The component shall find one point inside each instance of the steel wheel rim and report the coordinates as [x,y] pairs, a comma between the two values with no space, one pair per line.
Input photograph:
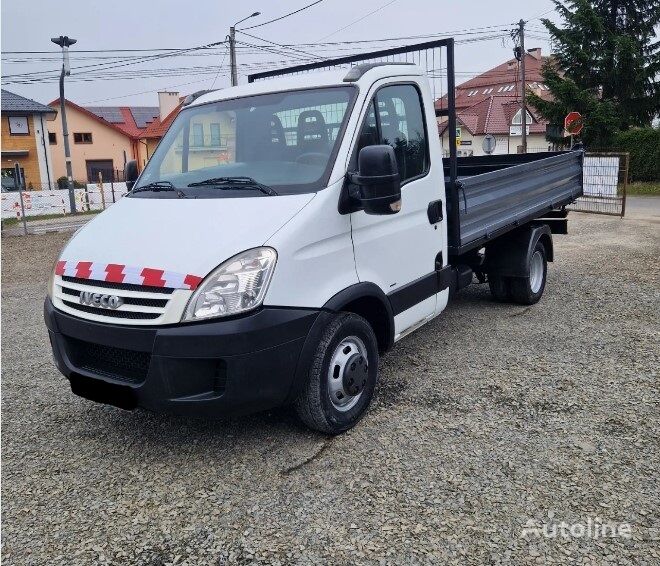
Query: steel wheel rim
[345,351]
[536,272]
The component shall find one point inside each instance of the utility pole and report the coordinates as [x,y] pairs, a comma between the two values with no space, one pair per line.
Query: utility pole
[232,48]
[232,55]
[523,85]
[64,42]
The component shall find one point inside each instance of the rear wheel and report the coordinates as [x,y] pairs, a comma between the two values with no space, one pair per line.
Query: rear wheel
[342,376]
[528,290]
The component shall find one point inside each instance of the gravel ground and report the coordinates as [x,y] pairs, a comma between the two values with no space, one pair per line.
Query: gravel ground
[490,416]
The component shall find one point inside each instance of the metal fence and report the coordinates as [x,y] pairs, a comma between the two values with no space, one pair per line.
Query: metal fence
[49,210]
[605,184]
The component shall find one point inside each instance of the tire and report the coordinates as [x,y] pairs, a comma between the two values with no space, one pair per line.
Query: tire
[528,290]
[500,288]
[333,399]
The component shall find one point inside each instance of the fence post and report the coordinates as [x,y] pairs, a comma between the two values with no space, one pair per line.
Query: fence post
[100,186]
[625,185]
[112,190]
[20,196]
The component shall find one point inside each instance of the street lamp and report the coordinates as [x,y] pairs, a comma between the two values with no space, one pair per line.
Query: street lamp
[65,42]
[232,48]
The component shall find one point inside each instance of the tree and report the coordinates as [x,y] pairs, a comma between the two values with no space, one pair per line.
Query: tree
[605,65]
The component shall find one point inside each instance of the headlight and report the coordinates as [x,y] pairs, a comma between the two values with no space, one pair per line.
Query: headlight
[236,286]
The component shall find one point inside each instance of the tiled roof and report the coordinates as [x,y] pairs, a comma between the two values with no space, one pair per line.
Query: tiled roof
[129,120]
[493,115]
[501,80]
[15,103]
[157,129]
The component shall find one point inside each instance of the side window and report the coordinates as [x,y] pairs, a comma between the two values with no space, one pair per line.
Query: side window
[395,117]
[402,127]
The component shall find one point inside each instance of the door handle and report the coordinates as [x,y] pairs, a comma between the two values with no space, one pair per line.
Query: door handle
[435,211]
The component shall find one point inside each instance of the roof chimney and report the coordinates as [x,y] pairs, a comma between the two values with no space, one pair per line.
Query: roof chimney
[535,52]
[167,101]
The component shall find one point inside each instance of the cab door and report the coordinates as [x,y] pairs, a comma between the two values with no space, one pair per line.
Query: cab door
[398,252]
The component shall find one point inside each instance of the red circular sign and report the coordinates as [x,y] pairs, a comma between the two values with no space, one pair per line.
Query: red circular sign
[573,123]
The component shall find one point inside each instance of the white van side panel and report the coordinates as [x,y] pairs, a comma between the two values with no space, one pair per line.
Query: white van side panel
[315,254]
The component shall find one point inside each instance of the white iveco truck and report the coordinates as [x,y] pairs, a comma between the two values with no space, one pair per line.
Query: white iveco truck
[287,232]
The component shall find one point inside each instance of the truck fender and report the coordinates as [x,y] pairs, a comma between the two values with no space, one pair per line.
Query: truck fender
[510,255]
[364,299]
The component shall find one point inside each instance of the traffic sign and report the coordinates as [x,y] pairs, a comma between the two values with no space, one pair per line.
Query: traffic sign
[573,123]
[489,144]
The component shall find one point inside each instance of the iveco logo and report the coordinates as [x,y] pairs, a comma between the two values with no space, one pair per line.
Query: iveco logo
[102,301]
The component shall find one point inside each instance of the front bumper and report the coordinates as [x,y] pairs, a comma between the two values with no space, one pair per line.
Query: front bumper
[215,368]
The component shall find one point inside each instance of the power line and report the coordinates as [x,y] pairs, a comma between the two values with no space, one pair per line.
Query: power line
[285,15]
[120,63]
[175,51]
[277,44]
[105,73]
[359,19]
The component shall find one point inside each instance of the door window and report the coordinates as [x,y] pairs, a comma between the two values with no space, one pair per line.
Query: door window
[395,117]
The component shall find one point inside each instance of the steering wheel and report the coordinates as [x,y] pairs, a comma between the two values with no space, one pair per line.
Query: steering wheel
[312,158]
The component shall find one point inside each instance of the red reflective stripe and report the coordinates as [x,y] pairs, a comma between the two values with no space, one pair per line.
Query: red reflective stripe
[114,273]
[84,269]
[153,277]
[192,281]
[59,268]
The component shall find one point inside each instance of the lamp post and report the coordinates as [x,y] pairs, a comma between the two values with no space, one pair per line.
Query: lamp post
[232,48]
[65,42]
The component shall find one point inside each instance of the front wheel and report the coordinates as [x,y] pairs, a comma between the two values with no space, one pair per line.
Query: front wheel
[528,290]
[342,376]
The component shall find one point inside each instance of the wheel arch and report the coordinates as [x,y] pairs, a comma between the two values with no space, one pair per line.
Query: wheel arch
[368,301]
[364,299]
[510,254]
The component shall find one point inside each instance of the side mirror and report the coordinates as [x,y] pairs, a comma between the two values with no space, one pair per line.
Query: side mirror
[377,179]
[131,174]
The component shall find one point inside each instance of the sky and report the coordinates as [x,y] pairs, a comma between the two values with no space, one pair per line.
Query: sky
[328,28]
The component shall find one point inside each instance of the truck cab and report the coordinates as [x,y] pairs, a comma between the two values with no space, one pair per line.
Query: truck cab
[284,234]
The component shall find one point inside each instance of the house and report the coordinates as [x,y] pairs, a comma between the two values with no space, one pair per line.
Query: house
[102,139]
[169,106]
[490,104]
[25,141]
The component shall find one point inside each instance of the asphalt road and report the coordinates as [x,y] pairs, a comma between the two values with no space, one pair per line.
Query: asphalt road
[490,420]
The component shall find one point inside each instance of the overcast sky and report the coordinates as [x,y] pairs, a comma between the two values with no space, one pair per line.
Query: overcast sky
[28,25]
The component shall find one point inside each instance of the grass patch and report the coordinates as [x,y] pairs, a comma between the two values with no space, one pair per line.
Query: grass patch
[7,222]
[640,188]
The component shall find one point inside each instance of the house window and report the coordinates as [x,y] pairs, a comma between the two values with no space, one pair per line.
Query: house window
[517,119]
[197,135]
[215,135]
[52,138]
[18,125]
[85,137]
[8,175]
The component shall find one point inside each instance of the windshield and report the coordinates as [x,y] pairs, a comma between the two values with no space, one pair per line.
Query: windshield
[284,141]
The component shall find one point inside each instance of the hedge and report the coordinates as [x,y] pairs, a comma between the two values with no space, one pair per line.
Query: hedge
[643,144]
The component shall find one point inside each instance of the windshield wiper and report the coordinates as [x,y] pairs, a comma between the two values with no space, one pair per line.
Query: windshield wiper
[235,183]
[158,186]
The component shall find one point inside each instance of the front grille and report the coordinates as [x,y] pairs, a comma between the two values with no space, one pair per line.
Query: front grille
[113,314]
[140,304]
[127,300]
[120,364]
[119,286]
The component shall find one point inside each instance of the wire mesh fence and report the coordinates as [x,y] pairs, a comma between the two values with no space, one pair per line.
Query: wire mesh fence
[52,209]
[605,181]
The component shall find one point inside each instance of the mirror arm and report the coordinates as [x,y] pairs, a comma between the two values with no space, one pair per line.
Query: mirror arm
[349,197]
